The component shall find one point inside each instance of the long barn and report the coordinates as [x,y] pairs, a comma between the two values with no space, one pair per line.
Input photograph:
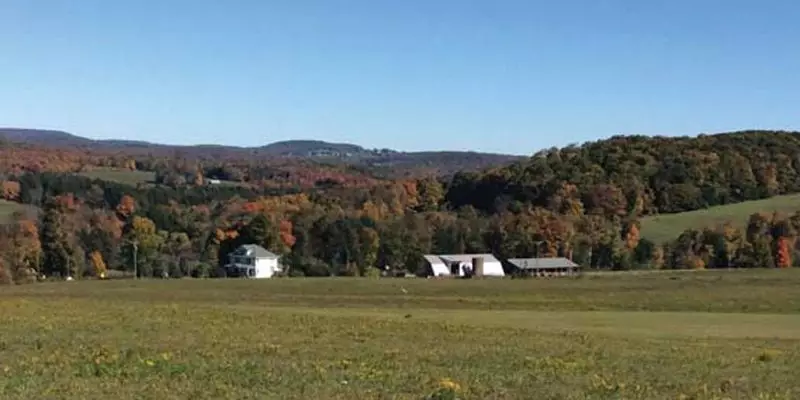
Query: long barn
[458,265]
[555,266]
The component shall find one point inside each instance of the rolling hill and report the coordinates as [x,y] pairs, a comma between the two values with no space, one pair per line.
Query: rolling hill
[642,175]
[385,160]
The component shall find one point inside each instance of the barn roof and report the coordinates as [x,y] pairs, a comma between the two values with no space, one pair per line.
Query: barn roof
[433,259]
[464,258]
[254,250]
[542,263]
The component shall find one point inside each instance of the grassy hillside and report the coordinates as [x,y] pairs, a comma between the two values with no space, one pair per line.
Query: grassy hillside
[666,227]
[656,336]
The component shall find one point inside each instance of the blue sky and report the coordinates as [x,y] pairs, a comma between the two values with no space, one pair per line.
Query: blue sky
[492,75]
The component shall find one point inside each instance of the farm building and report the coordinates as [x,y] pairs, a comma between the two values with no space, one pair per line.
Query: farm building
[252,261]
[462,265]
[557,266]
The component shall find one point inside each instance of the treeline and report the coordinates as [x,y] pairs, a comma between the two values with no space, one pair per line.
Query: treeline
[178,169]
[638,175]
[580,202]
[355,235]
[768,240]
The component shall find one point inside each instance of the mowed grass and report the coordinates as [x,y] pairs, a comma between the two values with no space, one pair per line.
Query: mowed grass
[128,177]
[662,228]
[702,335]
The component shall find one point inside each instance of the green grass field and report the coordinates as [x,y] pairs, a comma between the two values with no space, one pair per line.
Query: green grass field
[691,335]
[8,208]
[662,228]
[122,176]
[133,178]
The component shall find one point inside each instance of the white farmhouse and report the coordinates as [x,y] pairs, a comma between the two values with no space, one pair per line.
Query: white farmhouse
[252,261]
[461,264]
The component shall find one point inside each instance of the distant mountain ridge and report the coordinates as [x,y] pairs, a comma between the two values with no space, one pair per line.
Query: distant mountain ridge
[55,138]
[442,161]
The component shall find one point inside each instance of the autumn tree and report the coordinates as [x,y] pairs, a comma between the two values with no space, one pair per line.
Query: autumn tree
[631,235]
[10,190]
[142,245]
[126,207]
[287,238]
[178,247]
[261,231]
[430,194]
[369,241]
[57,249]
[732,241]
[98,264]
[607,200]
[25,251]
[130,164]
[783,257]
[199,178]
[566,200]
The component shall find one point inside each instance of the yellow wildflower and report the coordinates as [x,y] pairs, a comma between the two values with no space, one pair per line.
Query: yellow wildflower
[450,384]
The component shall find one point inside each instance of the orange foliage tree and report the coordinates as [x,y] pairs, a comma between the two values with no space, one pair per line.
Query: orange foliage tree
[25,250]
[98,264]
[784,255]
[632,235]
[10,190]
[285,231]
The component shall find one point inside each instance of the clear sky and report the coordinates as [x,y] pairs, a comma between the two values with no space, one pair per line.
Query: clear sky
[493,75]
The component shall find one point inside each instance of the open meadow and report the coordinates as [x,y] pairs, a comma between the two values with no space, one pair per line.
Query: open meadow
[8,208]
[124,176]
[690,335]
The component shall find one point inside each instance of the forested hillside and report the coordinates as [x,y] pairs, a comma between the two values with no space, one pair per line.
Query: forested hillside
[583,202]
[641,175]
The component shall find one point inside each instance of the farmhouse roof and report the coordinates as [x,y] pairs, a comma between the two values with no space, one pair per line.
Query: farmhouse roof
[254,250]
[464,258]
[542,263]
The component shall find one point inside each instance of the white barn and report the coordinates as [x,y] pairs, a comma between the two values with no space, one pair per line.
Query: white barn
[252,261]
[461,264]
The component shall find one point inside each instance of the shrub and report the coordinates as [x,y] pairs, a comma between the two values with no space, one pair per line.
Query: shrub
[5,276]
[372,272]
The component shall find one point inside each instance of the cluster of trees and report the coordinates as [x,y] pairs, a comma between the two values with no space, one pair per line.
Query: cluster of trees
[768,240]
[177,169]
[643,175]
[580,202]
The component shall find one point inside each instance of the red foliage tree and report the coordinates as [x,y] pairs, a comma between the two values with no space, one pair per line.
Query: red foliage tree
[783,257]
[286,235]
